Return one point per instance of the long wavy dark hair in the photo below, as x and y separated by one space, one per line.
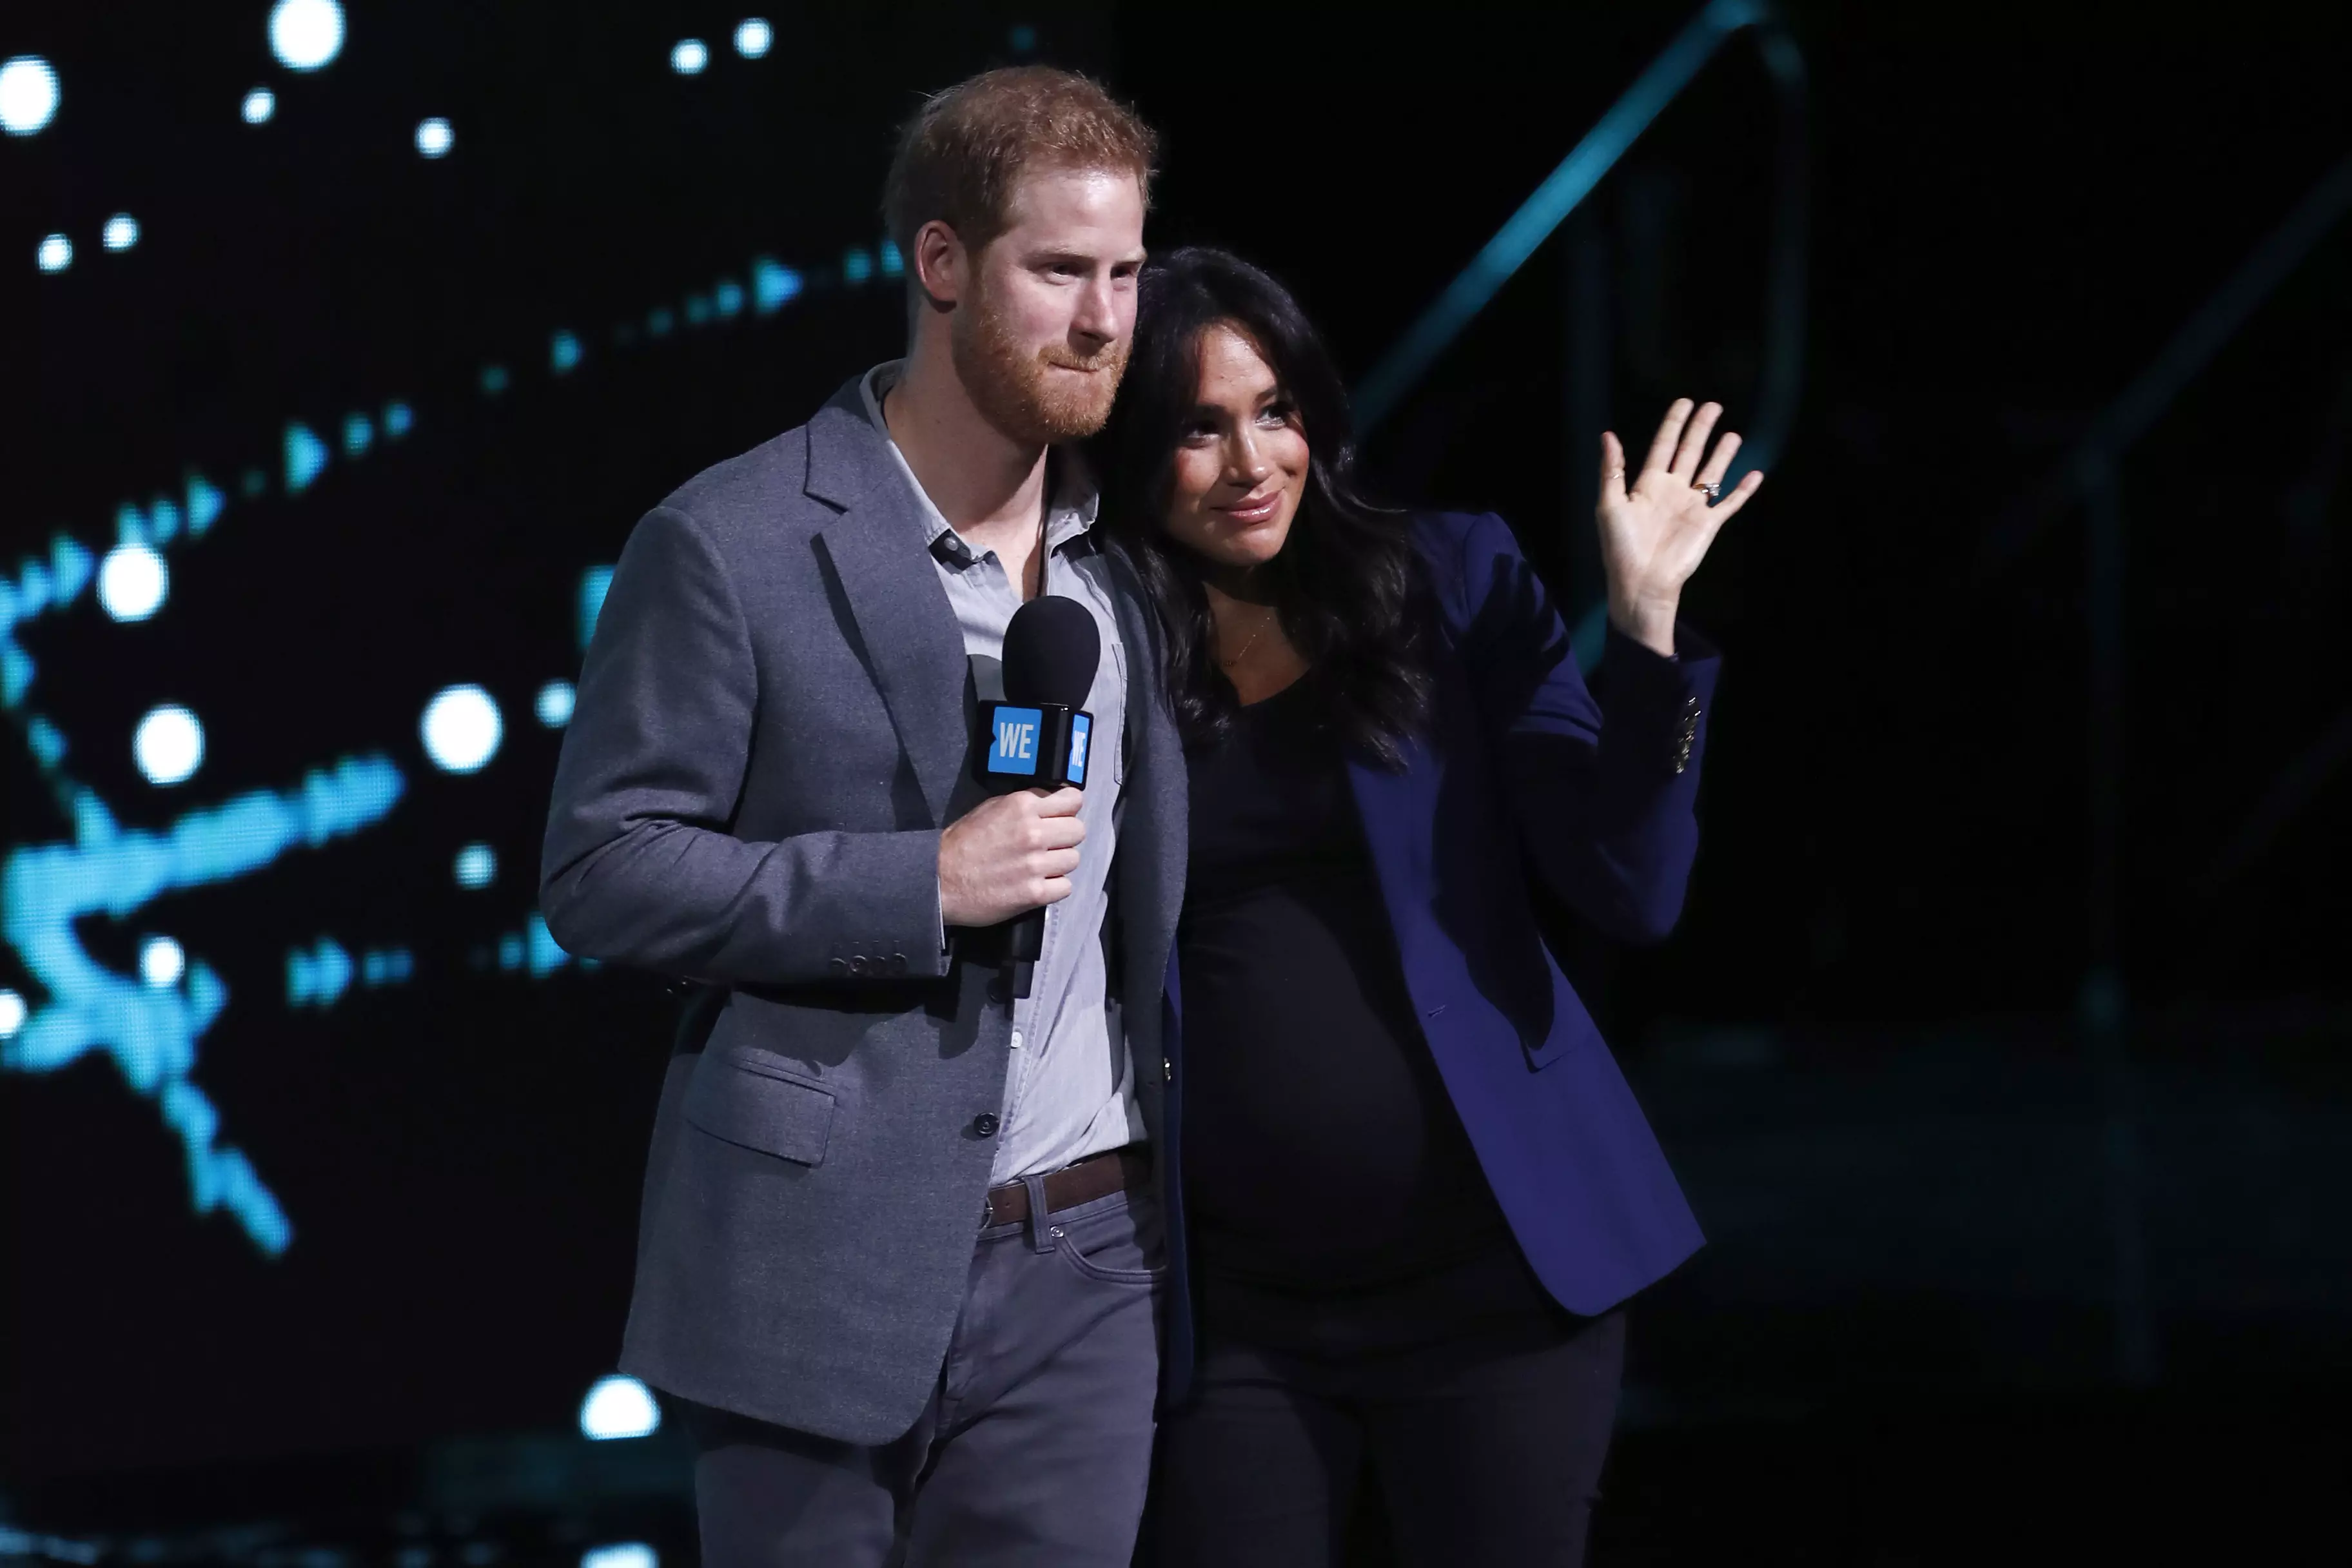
1348 584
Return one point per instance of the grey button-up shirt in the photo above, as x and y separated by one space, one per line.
1070 1090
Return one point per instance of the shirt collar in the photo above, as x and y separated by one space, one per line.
1069 513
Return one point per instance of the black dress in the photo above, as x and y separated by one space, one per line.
1361 1301
1323 1157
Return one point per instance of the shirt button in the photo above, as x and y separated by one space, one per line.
1016 1039
984 1124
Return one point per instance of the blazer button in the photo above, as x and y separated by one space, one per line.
984 1124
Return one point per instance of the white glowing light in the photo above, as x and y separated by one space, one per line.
434 137
259 105
12 1015
478 866
169 746
306 34
131 581
462 729
755 37
28 95
55 253
122 232
619 1407
161 962
691 56
556 700
621 1555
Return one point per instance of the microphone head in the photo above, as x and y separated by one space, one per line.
1051 648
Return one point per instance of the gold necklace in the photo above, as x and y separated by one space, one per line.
1267 620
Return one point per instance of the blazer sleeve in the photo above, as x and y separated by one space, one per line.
639 867
1605 809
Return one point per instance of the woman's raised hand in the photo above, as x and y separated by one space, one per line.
1656 532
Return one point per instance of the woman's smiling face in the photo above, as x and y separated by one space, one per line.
1241 461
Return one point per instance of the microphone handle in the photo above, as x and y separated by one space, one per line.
1026 941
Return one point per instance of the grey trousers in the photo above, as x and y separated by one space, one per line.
1035 1447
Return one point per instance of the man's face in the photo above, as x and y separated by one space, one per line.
1040 340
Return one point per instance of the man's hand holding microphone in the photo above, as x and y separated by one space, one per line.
1010 854
1008 858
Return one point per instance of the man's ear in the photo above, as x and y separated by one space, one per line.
941 268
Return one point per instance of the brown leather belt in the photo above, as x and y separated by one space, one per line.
1124 1170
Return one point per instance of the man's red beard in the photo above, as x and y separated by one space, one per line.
1017 391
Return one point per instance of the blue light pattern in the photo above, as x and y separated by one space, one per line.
150 1024
150 1031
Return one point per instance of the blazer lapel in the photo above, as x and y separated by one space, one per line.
905 629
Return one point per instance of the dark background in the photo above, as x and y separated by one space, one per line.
1943 1206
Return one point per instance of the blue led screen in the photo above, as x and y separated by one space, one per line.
311 1134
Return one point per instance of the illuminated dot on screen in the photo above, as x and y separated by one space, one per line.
55 253
122 232
858 266
28 95
893 263
478 866
462 729
131 581
259 105
1024 39
772 285
755 37
494 379
12 1015
169 746
161 962
398 419
306 34
621 1555
434 137
691 56
556 700
728 299
358 434
618 1406
562 352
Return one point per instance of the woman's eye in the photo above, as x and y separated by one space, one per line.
1274 413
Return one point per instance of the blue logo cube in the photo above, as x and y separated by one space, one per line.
1013 740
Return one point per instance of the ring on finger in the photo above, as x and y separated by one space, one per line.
1714 488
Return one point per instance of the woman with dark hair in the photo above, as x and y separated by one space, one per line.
1407 1188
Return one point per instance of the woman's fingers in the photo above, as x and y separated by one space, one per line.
1719 462
1735 498
1613 469
1694 441
1670 430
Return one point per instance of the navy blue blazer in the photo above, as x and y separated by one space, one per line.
1519 773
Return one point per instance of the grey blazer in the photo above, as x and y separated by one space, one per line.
771 730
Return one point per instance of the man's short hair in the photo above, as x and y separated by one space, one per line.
961 156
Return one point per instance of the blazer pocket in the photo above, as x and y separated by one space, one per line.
758 1109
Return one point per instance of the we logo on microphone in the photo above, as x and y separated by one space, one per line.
1045 746
1012 748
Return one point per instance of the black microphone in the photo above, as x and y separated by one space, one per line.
1039 736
